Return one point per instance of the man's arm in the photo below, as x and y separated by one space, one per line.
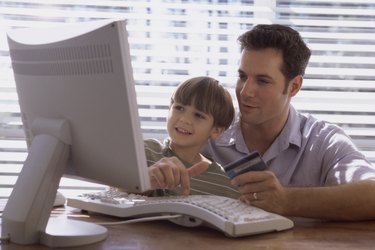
350 202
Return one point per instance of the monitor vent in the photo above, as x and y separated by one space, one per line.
83 60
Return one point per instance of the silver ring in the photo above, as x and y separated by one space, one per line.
255 196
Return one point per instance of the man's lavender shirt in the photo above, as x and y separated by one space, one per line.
307 152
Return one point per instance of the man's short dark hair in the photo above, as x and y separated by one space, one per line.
295 53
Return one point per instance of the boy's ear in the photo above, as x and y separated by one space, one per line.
216 131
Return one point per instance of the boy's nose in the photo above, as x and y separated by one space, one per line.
185 119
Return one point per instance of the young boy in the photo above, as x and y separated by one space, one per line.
201 108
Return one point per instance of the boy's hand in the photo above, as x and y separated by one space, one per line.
169 172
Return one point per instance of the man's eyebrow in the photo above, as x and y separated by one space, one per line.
240 71
265 76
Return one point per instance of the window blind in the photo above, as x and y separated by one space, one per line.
171 41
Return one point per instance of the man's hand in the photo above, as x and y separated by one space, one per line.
169 172
339 202
262 189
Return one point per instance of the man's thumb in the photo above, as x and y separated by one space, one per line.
198 168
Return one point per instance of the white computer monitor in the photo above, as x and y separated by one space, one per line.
79 111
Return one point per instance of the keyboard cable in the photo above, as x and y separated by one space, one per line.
143 219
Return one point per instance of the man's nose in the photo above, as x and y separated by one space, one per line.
248 88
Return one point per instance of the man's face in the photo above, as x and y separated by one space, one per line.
260 88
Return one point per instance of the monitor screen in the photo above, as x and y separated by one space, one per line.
79 111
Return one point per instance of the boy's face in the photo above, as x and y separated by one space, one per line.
188 126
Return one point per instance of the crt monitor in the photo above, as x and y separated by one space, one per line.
80 115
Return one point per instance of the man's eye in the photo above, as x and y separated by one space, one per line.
263 81
242 77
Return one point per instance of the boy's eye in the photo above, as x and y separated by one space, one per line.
200 116
178 107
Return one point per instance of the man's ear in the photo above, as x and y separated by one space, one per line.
216 131
295 85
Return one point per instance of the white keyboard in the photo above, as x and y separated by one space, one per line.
233 217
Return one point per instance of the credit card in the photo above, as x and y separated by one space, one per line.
251 162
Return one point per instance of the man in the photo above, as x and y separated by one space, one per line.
314 169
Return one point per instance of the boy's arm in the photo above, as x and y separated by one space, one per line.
170 172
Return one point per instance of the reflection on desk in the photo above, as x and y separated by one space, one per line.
307 234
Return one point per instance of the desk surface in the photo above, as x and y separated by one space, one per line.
306 234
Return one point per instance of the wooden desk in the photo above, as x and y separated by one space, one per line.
165 235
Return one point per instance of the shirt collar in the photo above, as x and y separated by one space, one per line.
290 135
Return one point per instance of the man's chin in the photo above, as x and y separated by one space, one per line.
250 118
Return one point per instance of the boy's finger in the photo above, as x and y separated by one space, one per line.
185 183
198 168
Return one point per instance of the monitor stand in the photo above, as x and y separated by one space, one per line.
63 232
26 217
